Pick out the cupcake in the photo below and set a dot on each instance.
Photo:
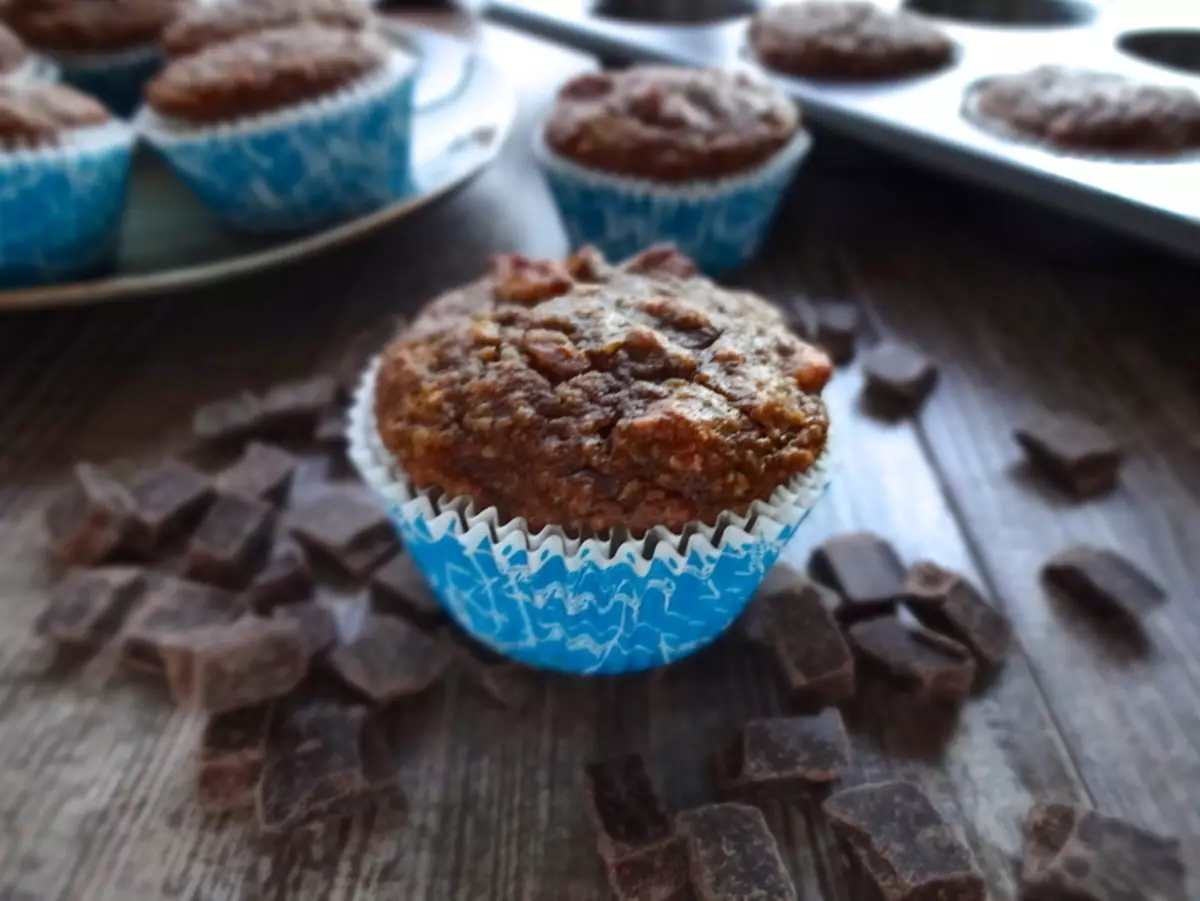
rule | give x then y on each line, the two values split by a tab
108	49
1088	112
595	465
201	25
286	129
847	40
696	157
64	164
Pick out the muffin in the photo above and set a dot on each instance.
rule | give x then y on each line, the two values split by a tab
200	25
696	157
1088	112
847	40
595	465
108	49
287	129
64	162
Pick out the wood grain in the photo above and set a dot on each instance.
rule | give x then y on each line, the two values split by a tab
95	768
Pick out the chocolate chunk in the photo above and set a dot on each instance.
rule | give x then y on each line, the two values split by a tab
946	602
659	873
732	855
330	432
225	667
230	541
166	498
294	408
625	808
227	420
897	376
90	518
1105	859
323	761
864	569
263	472
916	658
230	760
1046	828
170	610
398	587
88	606
509	684
316	622
347	526
285	579
784	754
836	330
893	839
390	659
1103	581
1075	454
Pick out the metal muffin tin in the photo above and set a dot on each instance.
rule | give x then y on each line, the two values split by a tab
920	118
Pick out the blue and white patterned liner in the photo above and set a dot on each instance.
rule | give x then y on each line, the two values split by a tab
60	207
720	224
115	79
302	167
581	605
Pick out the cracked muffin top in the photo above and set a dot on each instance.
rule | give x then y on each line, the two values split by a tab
201	25
88	26
594	397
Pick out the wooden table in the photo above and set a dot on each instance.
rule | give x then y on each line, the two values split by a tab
94	771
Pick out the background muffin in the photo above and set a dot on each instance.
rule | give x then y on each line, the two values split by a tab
697	157
200	25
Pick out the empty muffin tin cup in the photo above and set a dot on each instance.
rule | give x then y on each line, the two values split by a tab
1177	49
693	12
1045	13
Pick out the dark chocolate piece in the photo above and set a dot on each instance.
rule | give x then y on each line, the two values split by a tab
286	578
864	569
837	330
732	855
1047	827
915	658
323	761
317	624
263	472
170	609
898	376
347	526
390	659
225	667
769	756
230	541
330	432
807	644
1107	859
1103	581
947	602
398	587
659	873
294	408
90	518
227	420
893	839
88	606
166	498
1074	454
229	763
625	808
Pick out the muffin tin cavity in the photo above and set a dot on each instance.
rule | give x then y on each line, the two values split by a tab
1045	13
674	11
1174	48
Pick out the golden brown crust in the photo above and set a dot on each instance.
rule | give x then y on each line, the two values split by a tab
850	40
670	124
632	400
263	72
89	26
37	115
198	26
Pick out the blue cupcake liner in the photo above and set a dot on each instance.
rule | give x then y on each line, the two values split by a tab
720	224
608	604
115	79
303	167
60	207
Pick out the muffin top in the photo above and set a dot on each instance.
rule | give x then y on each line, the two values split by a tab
595	397
265	71
12	50
821	39
670	124
37	115
89	26
200	25
1085	110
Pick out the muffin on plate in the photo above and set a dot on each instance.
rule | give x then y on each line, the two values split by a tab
697	157
595	465
847	40
64	164
107	49
201	25
287	129
1088	112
